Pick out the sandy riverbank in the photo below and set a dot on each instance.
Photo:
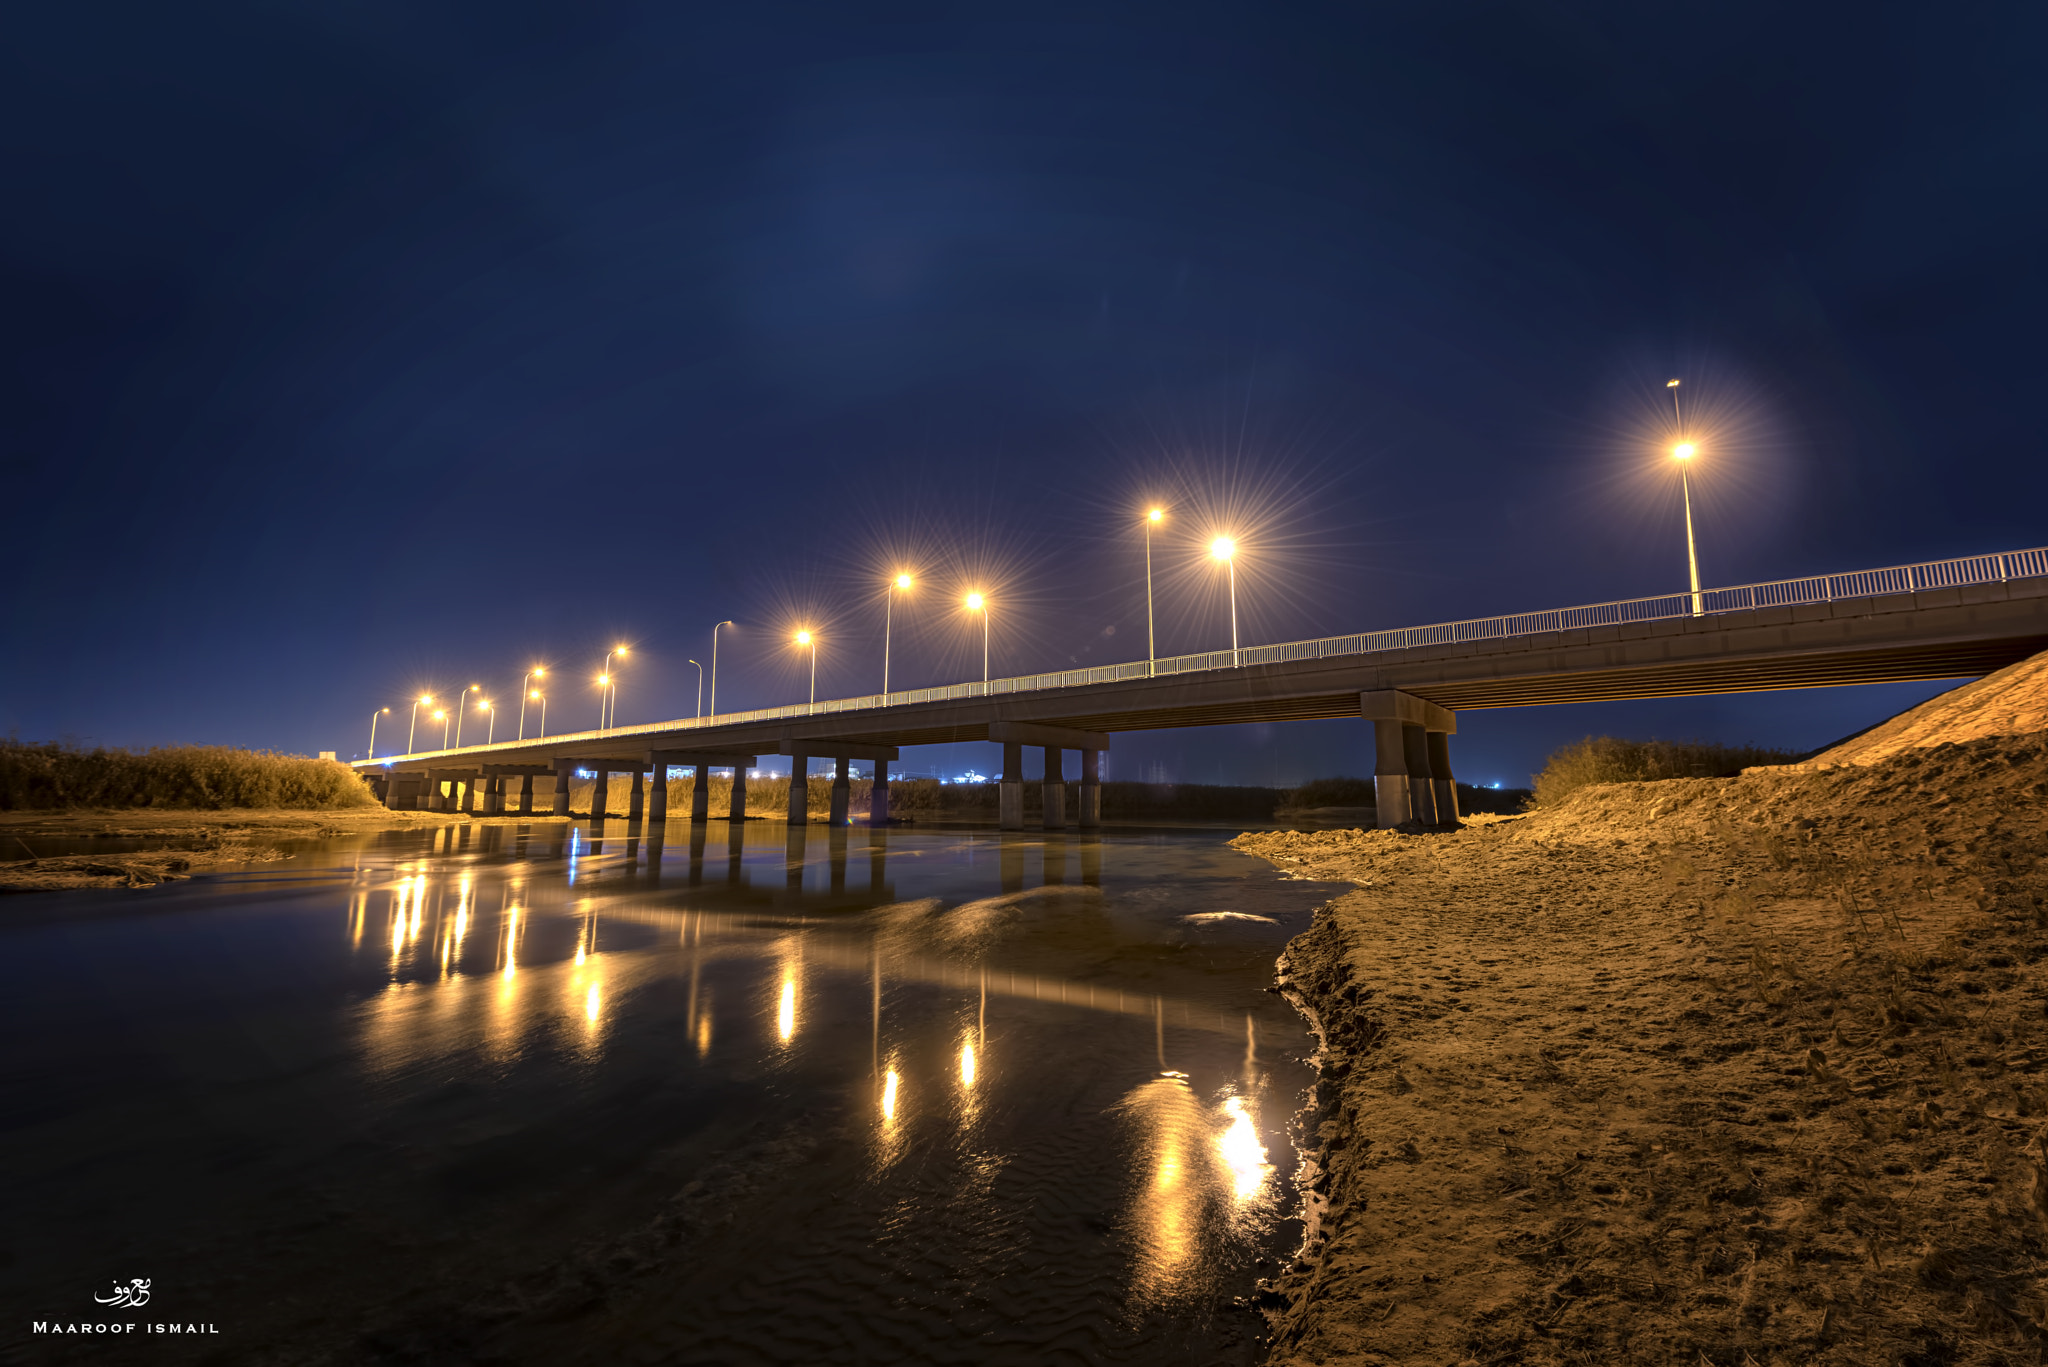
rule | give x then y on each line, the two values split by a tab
1699	1071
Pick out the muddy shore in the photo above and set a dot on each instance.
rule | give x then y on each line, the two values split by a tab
146	846
1698	1071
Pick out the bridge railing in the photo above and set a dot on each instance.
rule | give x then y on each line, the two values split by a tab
1824	588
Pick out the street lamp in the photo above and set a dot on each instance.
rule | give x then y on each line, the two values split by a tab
1152	519
901	582
491	735
473	688
442	717
380	712
977	603
805	639
714	669
413	726
608	703
1683	453
535	673
700	691
1225	549
542	699
604	692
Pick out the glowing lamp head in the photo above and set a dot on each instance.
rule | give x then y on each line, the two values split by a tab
1222	548
440	716
604	678
1683	451
803	638
483	705
1156	515
902	581
426	699
387	711
535	695
975	602
621	650
538	672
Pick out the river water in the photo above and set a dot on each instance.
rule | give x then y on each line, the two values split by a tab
554	1094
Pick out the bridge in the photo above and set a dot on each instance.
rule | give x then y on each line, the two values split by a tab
1943	619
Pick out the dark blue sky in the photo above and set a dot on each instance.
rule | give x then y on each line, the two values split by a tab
355	350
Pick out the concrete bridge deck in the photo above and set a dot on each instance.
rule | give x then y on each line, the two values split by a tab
1947	619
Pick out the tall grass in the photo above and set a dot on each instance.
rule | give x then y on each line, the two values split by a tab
1607	759
50	775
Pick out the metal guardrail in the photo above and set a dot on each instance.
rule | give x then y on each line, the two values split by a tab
1825	588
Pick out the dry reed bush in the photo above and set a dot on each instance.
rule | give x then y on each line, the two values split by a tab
45	776
1608	759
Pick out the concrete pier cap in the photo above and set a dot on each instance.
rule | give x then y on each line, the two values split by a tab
1411	778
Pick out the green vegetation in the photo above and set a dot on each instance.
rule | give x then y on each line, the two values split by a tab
41	776
1606	759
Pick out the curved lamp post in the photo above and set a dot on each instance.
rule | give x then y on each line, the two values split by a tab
1683	453
380	712
714	669
535	673
473	688
1152	519
412	727
1225	549
700	690
977	603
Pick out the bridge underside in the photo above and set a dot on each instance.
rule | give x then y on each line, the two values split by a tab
1951	633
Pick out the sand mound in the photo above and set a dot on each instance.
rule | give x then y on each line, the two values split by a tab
1697	1071
2012	702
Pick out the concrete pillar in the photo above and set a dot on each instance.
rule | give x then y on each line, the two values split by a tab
799	788
397	791
1421	791
657	796
878	796
526	794
1052	789
842	791
636	805
469	794
494	795
1091	789
1440	775
438	801
738	810
600	791
700	794
1010	789
564	768
1389	775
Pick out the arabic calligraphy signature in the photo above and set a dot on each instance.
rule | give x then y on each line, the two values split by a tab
127	1294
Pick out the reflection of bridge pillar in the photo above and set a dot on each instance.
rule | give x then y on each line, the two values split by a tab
1091	789
793	856
1012	861
842	792
657	836
1052	790
878	796
700	794
1389	774
735	851
836	856
799	787
636	805
526	794
1010	790
1421	791
600	792
657	793
1053	865
1091	864
1440	776
698	831
737	809
878	863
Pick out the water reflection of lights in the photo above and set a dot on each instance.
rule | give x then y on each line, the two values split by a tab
704	1033
785	1014
890	1083
967	1065
1242	1153
591	1002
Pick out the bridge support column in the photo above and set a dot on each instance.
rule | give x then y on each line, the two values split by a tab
494	795
878	796
700	794
842	791
564	770
1421	788
600	791
1052	789
737	811
1389	775
636	804
1010	789
799	788
398	791
657	795
526	794
1440	775
1091	790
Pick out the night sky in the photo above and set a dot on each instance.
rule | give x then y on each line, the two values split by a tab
359	350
